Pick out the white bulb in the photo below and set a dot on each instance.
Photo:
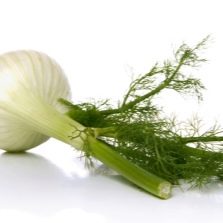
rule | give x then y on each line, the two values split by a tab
32	74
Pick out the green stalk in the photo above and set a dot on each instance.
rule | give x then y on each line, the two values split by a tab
45	119
144	179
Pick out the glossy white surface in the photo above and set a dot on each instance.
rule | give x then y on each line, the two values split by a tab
50	184
101	45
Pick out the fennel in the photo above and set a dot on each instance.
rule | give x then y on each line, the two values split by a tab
132	138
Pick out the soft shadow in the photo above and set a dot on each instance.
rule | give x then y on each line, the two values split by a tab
30	182
120	179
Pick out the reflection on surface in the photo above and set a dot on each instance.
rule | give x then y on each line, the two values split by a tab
29	181
34	189
68	216
31	184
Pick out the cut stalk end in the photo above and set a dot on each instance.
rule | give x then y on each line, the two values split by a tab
144	179
165	190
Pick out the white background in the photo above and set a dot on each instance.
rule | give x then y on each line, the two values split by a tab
101	45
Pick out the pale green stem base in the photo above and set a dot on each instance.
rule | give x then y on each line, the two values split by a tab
44	119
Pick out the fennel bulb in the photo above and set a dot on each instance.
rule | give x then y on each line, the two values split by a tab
22	74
